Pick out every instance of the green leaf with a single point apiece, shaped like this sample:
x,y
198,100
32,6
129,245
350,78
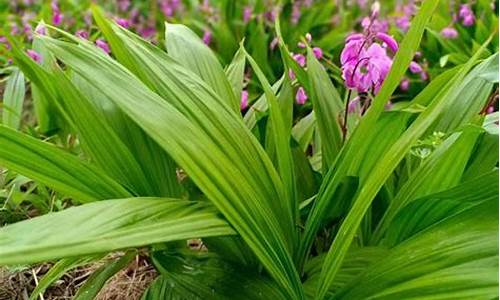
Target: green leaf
x,y
260,106
56,168
431,209
455,259
443,169
235,72
205,276
92,286
202,135
189,50
327,107
473,95
106,226
13,99
281,134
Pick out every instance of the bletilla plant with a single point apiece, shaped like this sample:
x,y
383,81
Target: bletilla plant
x,y
403,207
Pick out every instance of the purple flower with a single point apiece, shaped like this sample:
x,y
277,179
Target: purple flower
x,y
449,33
244,99
147,32
300,59
300,96
34,55
123,22
57,19
82,34
404,85
467,15
123,5
296,13
168,7
353,104
207,37
247,13
56,13
415,68
403,23
364,67
273,43
318,53
103,45
291,74
41,29
389,41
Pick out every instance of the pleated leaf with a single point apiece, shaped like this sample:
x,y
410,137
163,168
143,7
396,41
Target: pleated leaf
x,y
106,226
56,168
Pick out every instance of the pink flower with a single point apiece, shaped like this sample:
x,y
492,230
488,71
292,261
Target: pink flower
x,y
34,55
467,15
57,19
273,43
296,13
300,59
207,37
247,14
82,34
103,45
415,68
56,13
365,69
244,99
469,20
123,22
301,96
291,74
318,53
41,29
123,5
405,84
353,104
389,41
449,33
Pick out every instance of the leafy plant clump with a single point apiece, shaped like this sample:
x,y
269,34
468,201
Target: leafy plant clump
x,y
152,150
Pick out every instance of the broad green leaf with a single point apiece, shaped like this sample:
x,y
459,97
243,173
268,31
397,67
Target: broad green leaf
x,y
357,260
93,284
327,107
106,226
443,169
235,72
431,209
206,276
485,157
474,93
280,134
13,99
260,106
304,129
158,168
455,259
237,177
45,110
56,168
188,49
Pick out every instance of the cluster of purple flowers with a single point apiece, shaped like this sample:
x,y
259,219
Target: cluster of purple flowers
x,y
365,59
301,96
465,15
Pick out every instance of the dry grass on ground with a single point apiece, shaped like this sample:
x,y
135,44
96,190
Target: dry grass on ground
x,y
126,284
